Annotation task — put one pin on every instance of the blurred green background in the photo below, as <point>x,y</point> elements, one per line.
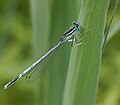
<point>16,53</point>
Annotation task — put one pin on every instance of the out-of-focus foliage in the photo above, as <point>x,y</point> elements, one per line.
<point>16,55</point>
<point>15,50</point>
<point>109,84</point>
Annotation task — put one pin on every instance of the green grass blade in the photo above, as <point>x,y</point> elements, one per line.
<point>113,31</point>
<point>109,26</point>
<point>84,66</point>
<point>40,25</point>
<point>62,15</point>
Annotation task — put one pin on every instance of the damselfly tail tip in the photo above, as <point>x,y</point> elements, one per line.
<point>6,86</point>
<point>11,82</point>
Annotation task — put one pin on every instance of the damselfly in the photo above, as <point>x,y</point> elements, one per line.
<point>69,36</point>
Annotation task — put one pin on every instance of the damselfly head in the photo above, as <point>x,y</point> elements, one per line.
<point>76,25</point>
